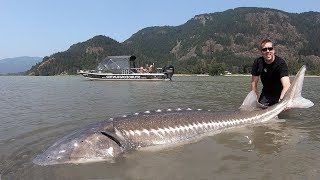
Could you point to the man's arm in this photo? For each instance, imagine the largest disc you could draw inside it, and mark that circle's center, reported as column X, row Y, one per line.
column 254, row 84
column 285, row 84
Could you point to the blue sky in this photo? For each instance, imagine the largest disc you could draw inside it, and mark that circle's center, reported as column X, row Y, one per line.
column 43, row 27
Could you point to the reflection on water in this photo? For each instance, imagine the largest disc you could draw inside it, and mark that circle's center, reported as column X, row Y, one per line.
column 37, row 111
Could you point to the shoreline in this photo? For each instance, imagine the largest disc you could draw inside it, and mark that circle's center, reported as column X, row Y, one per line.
column 231, row 75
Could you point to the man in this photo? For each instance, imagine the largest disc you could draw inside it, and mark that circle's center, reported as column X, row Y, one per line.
column 150, row 68
column 273, row 72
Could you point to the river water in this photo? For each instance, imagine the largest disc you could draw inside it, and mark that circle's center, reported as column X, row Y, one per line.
column 35, row 112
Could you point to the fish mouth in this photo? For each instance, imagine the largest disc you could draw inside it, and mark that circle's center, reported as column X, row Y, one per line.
column 45, row 161
column 99, row 146
column 37, row 161
column 41, row 161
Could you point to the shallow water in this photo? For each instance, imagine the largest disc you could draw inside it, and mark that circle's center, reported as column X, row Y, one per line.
column 35, row 112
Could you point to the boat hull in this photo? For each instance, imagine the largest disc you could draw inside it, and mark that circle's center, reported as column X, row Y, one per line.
column 126, row 77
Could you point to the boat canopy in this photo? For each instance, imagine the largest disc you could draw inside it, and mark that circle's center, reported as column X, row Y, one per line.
column 116, row 64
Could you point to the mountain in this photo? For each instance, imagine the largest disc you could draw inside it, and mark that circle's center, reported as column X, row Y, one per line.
column 208, row 43
column 84, row 55
column 17, row 64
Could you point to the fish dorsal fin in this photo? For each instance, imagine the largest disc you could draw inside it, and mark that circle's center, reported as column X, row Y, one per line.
column 250, row 103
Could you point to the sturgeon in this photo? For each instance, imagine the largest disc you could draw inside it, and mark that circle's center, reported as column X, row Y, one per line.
column 109, row 139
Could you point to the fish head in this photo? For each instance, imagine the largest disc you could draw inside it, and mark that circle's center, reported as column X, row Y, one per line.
column 82, row 147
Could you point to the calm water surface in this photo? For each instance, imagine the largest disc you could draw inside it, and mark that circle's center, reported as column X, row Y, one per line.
column 35, row 112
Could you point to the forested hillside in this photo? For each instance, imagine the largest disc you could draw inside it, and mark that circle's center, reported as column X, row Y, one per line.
column 207, row 43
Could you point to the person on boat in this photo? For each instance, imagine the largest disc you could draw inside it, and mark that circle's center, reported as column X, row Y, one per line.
column 141, row 70
column 273, row 72
column 150, row 68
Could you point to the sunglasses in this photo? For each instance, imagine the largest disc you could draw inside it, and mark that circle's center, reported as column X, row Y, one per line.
column 265, row 49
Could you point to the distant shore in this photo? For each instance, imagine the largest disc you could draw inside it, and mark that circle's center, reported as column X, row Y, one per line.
column 236, row 75
column 311, row 76
column 206, row 75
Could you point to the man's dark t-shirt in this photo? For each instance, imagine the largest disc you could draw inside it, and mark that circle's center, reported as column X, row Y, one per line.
column 270, row 75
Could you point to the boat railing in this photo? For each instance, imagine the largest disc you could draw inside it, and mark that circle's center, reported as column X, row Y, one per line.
column 122, row 71
column 130, row 71
column 126, row 71
column 139, row 70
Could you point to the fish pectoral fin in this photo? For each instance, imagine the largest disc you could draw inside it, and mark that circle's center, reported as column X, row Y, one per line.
column 250, row 103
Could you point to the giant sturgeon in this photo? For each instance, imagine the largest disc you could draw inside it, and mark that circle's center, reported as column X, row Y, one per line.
column 156, row 129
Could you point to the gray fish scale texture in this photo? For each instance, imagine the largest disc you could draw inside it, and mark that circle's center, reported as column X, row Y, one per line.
column 154, row 128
